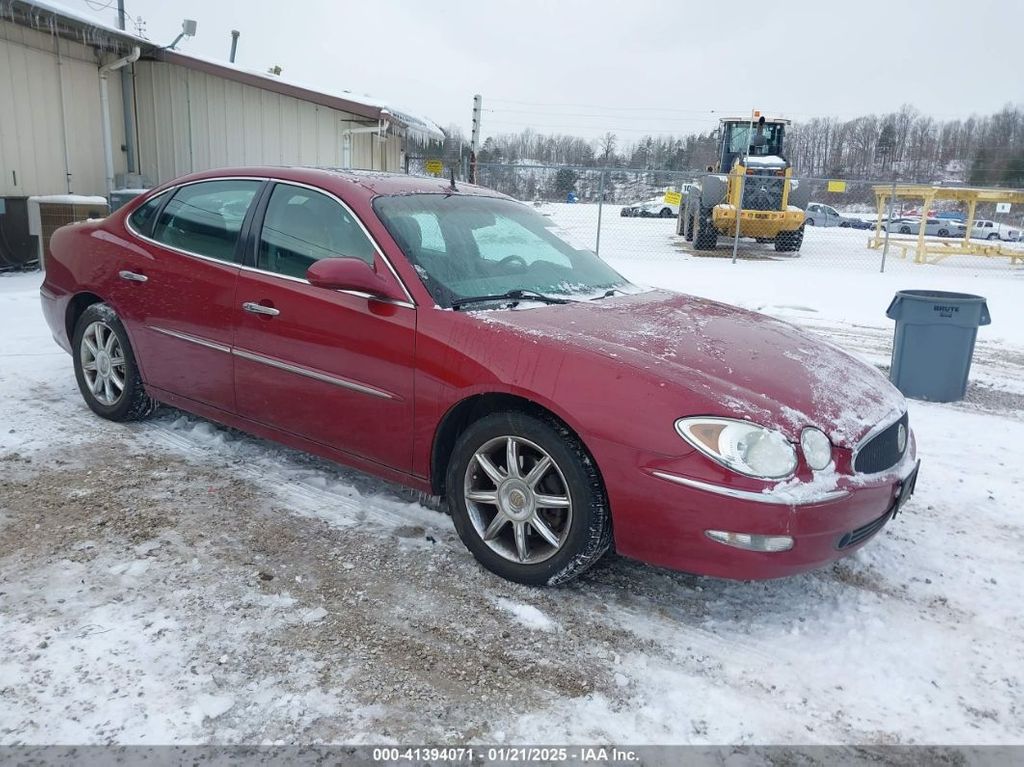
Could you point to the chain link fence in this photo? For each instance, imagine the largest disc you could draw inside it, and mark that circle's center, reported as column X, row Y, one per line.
column 643, row 215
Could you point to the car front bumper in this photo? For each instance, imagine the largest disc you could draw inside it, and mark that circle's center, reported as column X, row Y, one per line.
column 661, row 517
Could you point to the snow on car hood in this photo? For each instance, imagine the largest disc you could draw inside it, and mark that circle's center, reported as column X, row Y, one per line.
column 738, row 363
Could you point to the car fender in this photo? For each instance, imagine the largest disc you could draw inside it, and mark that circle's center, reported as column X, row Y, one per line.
column 78, row 266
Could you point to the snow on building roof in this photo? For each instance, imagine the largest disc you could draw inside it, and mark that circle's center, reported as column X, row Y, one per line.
column 68, row 23
column 71, row 24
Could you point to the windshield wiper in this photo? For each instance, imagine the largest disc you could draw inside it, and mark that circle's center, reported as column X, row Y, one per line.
column 607, row 294
column 513, row 295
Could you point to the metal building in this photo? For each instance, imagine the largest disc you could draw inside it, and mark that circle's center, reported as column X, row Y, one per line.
column 174, row 113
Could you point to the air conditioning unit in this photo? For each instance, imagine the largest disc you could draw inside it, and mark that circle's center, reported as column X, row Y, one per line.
column 48, row 213
column 121, row 197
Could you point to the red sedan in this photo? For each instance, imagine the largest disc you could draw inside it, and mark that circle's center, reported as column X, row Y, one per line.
column 447, row 339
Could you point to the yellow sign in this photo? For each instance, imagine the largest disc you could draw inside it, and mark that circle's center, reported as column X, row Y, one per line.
column 837, row 186
column 434, row 167
column 673, row 198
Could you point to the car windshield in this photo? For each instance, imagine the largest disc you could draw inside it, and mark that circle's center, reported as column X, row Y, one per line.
column 463, row 247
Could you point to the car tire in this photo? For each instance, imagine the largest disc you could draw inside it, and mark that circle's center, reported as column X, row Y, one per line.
column 943, row 233
column 105, row 367
column 904, row 229
column 498, row 516
column 809, row 222
column 993, row 236
column 666, row 213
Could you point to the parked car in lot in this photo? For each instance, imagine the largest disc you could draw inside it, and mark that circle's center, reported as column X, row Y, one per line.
column 448, row 340
column 984, row 229
column 937, row 227
column 654, row 208
column 856, row 223
column 819, row 214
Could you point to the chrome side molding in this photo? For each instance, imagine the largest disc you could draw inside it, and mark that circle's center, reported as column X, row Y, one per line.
column 191, row 339
column 317, row 375
column 748, row 495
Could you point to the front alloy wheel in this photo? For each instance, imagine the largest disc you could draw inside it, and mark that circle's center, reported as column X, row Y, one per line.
column 517, row 500
column 527, row 499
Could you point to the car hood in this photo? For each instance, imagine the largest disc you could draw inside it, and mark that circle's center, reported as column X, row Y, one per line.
column 733, row 362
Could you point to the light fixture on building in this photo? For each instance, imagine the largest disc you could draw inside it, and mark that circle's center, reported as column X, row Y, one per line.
column 188, row 29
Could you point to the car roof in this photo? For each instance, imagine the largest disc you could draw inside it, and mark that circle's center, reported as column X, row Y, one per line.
column 368, row 183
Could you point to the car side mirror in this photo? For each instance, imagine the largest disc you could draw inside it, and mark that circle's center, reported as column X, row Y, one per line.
column 352, row 274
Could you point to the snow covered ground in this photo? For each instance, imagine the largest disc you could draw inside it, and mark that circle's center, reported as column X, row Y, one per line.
column 173, row 581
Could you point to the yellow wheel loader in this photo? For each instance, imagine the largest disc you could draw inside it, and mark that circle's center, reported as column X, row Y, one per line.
column 751, row 176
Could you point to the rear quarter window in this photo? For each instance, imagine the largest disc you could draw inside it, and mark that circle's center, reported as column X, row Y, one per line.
column 144, row 216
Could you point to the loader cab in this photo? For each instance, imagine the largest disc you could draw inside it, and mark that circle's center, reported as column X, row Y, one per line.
column 738, row 137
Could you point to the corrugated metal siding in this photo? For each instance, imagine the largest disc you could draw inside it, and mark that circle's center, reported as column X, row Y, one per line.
column 32, row 119
column 190, row 120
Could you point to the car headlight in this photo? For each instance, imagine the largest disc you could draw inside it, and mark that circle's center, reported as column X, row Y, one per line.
column 817, row 448
column 742, row 446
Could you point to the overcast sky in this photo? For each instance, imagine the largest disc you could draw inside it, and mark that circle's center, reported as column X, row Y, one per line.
column 632, row 67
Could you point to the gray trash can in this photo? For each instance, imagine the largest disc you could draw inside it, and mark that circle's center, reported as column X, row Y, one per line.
column 934, row 342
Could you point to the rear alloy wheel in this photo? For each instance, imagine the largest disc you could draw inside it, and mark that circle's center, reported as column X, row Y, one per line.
column 527, row 500
column 993, row 236
column 105, row 367
column 904, row 229
column 809, row 222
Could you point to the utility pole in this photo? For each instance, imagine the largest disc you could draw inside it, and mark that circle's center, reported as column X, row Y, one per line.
column 127, row 101
column 475, row 143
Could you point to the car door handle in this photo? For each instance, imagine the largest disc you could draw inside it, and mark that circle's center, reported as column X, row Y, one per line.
column 254, row 308
column 132, row 276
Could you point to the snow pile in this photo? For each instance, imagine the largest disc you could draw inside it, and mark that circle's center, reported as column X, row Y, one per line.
column 528, row 615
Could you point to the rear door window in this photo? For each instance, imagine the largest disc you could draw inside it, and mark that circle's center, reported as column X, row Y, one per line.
column 206, row 218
